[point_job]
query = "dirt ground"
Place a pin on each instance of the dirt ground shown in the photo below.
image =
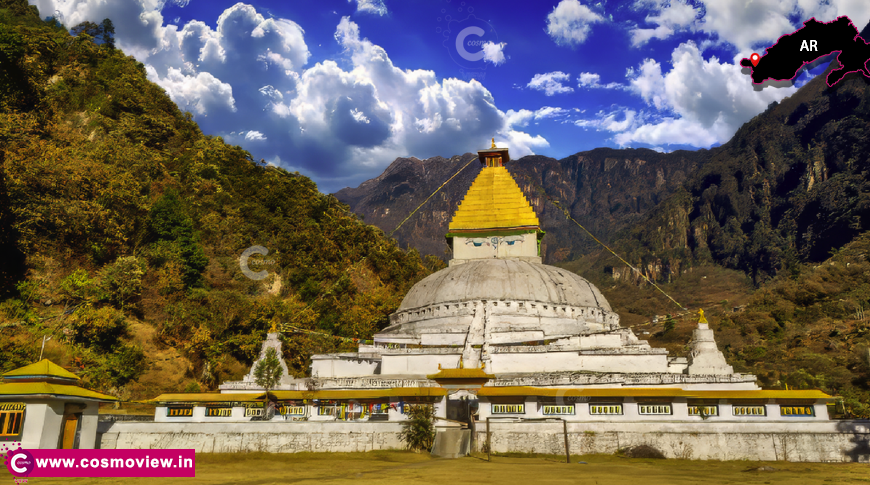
(398, 467)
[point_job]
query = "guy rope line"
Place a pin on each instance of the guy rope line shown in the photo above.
(427, 198)
(294, 329)
(568, 215)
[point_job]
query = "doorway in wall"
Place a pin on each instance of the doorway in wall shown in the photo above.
(71, 426)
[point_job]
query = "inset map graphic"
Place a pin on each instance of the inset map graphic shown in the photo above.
(785, 59)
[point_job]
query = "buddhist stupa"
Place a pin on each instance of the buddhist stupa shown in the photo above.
(499, 308)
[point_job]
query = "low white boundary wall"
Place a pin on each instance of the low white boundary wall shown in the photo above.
(270, 437)
(830, 441)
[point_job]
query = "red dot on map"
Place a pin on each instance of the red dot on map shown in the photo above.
(754, 58)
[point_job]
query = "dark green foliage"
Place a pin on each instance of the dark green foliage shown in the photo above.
(193, 387)
(99, 328)
(122, 282)
(168, 222)
(268, 371)
(107, 31)
(104, 33)
(79, 287)
(86, 27)
(12, 263)
(124, 364)
(669, 324)
(19, 11)
(418, 431)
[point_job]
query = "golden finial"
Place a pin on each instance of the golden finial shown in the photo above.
(482, 365)
(461, 365)
(274, 328)
(703, 319)
(493, 143)
(439, 366)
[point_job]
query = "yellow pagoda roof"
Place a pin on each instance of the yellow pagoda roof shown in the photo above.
(44, 368)
(207, 397)
(494, 201)
(471, 373)
(47, 389)
(319, 394)
(653, 392)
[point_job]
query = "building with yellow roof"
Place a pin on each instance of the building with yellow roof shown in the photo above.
(43, 405)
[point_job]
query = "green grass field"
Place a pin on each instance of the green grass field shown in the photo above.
(398, 467)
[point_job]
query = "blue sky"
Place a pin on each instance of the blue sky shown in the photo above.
(337, 89)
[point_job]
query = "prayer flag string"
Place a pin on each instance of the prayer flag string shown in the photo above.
(293, 329)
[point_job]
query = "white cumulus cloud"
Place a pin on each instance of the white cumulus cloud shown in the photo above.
(375, 7)
(669, 17)
(592, 80)
(337, 124)
(570, 22)
(494, 53)
(706, 100)
(522, 117)
(551, 83)
(200, 93)
(609, 121)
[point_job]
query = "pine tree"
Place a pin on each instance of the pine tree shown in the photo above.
(268, 371)
(108, 33)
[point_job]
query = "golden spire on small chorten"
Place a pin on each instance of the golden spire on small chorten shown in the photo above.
(702, 318)
(274, 328)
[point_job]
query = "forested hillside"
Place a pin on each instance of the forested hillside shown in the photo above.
(122, 225)
(789, 187)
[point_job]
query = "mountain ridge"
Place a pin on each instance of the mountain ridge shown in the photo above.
(637, 178)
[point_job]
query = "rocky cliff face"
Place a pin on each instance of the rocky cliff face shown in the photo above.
(388, 199)
(791, 186)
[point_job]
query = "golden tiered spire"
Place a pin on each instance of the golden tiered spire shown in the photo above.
(494, 200)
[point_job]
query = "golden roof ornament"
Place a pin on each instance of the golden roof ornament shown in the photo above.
(702, 318)
(493, 143)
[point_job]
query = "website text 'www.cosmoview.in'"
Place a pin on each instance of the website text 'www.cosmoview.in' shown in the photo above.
(101, 463)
